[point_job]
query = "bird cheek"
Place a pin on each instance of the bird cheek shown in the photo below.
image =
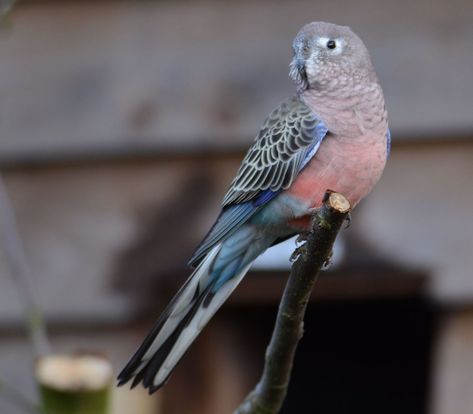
(312, 70)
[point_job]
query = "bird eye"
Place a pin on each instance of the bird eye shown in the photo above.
(331, 44)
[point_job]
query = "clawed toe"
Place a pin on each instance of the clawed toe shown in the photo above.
(299, 251)
(348, 220)
(328, 261)
(302, 237)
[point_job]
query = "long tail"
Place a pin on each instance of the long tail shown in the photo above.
(186, 315)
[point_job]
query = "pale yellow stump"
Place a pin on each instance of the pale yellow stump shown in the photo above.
(74, 384)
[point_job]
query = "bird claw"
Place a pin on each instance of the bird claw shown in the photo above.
(348, 220)
(299, 251)
(302, 237)
(328, 261)
(314, 212)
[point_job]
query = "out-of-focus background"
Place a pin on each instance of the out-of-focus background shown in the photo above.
(121, 126)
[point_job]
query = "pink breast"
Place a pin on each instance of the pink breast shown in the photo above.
(349, 166)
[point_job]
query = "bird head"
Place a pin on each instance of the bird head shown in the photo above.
(324, 52)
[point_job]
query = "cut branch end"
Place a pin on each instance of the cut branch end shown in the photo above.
(339, 203)
(268, 395)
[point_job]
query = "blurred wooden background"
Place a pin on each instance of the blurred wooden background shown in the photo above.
(122, 123)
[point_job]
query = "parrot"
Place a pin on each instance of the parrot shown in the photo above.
(331, 134)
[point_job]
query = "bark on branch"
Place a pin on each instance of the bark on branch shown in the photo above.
(268, 395)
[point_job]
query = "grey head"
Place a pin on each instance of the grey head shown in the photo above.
(324, 52)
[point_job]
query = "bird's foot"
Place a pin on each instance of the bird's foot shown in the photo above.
(348, 220)
(328, 261)
(314, 212)
(299, 251)
(302, 237)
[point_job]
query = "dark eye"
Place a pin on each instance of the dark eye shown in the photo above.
(331, 44)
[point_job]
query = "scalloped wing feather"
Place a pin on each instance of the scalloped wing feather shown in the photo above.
(278, 153)
(288, 139)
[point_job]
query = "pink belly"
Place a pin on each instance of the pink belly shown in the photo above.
(349, 167)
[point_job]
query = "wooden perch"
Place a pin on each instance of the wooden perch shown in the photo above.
(268, 395)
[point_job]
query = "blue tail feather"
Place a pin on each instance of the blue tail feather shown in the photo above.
(217, 275)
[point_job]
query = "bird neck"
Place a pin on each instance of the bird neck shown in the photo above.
(348, 106)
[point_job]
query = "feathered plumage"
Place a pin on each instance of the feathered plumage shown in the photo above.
(332, 135)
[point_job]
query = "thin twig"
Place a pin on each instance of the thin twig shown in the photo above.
(268, 395)
(21, 274)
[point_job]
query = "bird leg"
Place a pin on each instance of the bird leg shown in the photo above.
(303, 237)
(328, 262)
(299, 251)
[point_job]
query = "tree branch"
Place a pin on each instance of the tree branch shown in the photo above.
(268, 395)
